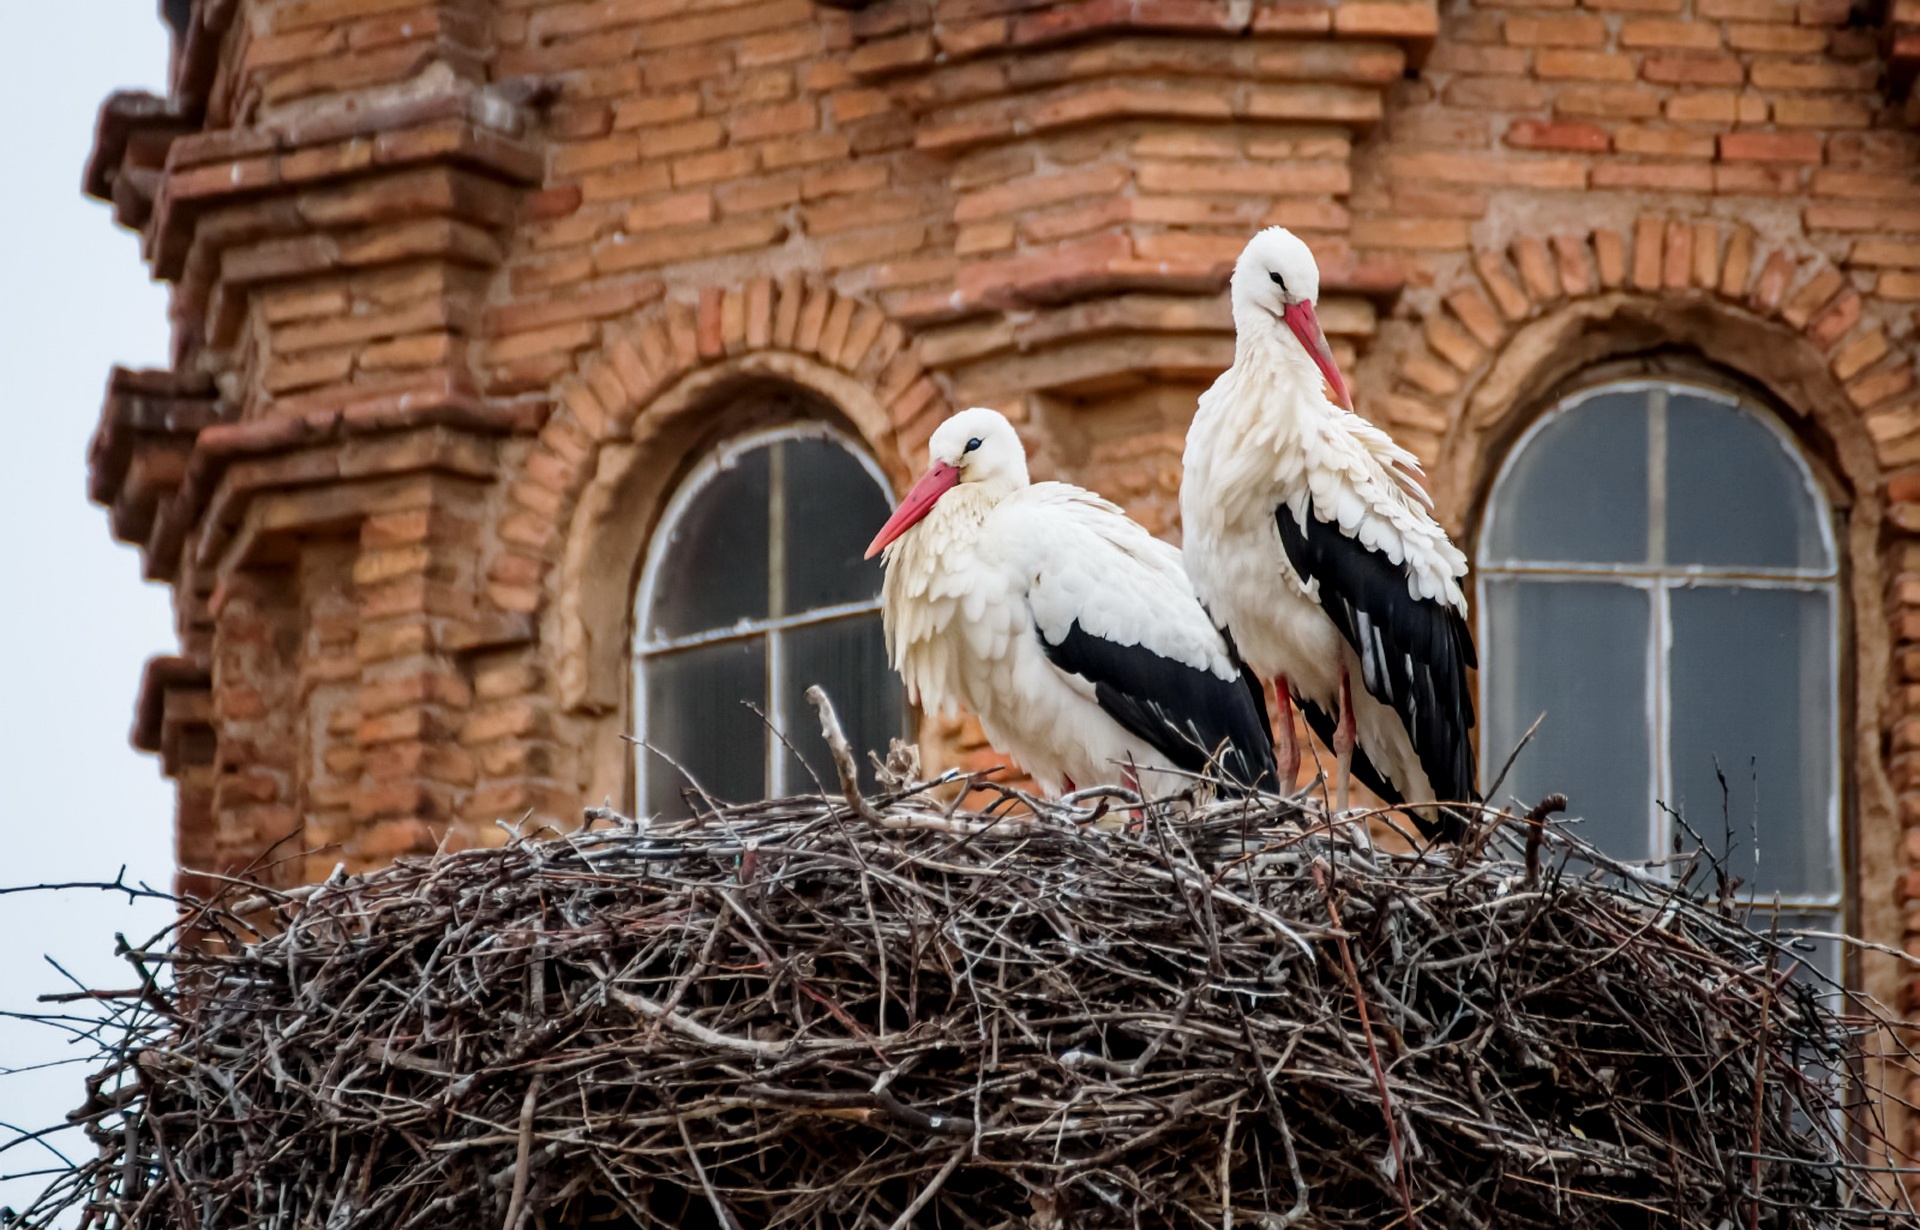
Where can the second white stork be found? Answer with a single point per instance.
(1069, 630)
(1311, 543)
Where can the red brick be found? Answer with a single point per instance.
(684, 138)
(1607, 101)
(1610, 257)
(1662, 142)
(1838, 217)
(1757, 179)
(1451, 57)
(1717, 107)
(1582, 65)
(709, 168)
(1863, 186)
(1772, 283)
(803, 149)
(1692, 70)
(1822, 75)
(1434, 233)
(1821, 113)
(1683, 35)
(1676, 261)
(1648, 231)
(1835, 321)
(1558, 134)
(1387, 18)
(1769, 147)
(1775, 38)
(1575, 264)
(1556, 30)
(1823, 12)
(1900, 253)
(1494, 93)
(761, 123)
(1746, 10)
(1654, 176)
(679, 209)
(648, 111)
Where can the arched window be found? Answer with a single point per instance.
(1658, 577)
(754, 590)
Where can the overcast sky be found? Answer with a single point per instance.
(76, 621)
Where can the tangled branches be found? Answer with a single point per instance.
(809, 1013)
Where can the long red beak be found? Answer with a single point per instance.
(1300, 317)
(939, 479)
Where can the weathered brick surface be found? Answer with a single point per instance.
(453, 276)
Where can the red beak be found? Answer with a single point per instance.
(939, 479)
(1305, 324)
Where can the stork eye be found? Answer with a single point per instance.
(1278, 281)
(971, 445)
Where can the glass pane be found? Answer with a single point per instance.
(1578, 490)
(1735, 495)
(1576, 651)
(834, 508)
(715, 572)
(697, 714)
(1753, 692)
(847, 657)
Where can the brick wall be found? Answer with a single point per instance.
(460, 286)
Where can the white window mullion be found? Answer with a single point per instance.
(776, 762)
(776, 691)
(1660, 704)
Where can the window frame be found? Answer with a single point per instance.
(1659, 580)
(775, 767)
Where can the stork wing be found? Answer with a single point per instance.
(1112, 605)
(1197, 720)
(1414, 652)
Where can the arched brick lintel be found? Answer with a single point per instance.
(1525, 318)
(632, 391)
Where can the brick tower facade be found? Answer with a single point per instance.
(461, 288)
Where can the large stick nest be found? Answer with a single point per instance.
(817, 1012)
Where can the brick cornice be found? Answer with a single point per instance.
(1110, 157)
(173, 714)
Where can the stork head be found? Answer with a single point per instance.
(1275, 286)
(977, 447)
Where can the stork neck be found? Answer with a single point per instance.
(1267, 357)
(1261, 336)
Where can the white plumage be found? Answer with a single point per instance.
(1069, 630)
(1311, 543)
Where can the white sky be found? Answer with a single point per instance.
(76, 621)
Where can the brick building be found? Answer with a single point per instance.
(497, 320)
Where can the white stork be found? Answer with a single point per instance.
(1071, 631)
(1312, 545)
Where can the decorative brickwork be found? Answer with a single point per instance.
(462, 287)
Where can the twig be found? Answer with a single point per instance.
(927, 1193)
(1373, 1051)
(516, 1207)
(843, 762)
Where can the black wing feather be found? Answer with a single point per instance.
(1194, 718)
(1414, 652)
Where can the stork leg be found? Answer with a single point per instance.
(1344, 735)
(1286, 745)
